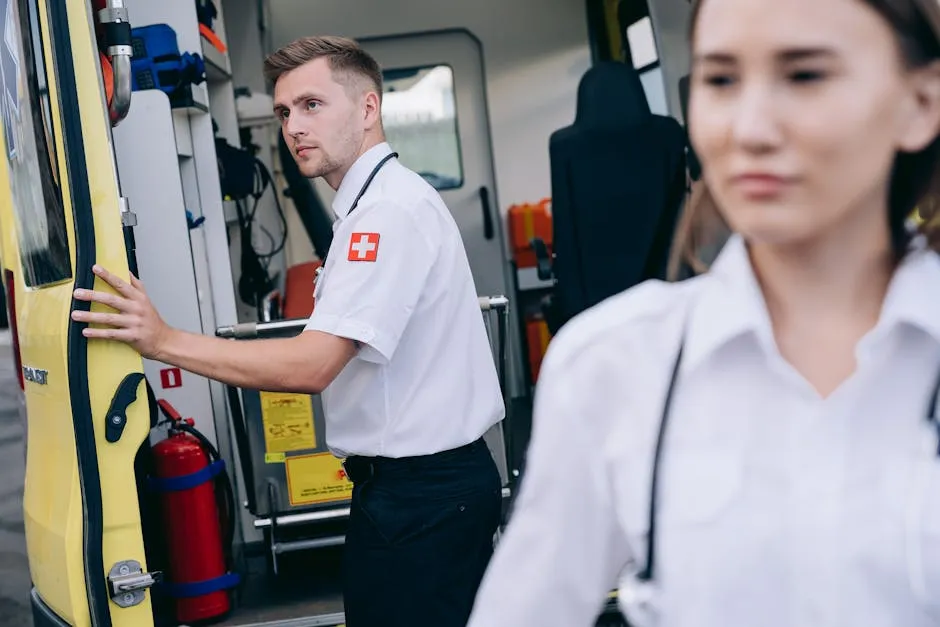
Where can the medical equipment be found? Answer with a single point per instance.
(158, 64)
(197, 504)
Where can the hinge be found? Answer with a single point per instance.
(128, 217)
(128, 583)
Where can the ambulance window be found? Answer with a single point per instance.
(420, 119)
(29, 134)
(642, 43)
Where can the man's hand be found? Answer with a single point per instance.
(136, 322)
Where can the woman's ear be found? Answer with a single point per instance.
(922, 123)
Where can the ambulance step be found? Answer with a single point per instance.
(326, 620)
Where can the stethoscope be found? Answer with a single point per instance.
(355, 203)
(638, 596)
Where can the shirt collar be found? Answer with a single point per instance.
(732, 304)
(913, 296)
(356, 177)
(729, 305)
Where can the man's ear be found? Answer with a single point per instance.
(372, 109)
(922, 117)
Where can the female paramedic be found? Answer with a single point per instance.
(758, 446)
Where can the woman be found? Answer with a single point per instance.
(798, 477)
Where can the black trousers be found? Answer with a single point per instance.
(420, 537)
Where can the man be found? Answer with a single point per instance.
(396, 345)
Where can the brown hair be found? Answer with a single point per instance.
(346, 58)
(915, 179)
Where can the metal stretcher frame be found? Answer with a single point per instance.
(269, 517)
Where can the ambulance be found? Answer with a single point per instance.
(139, 135)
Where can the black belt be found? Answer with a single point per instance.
(361, 468)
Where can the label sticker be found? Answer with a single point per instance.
(317, 478)
(171, 378)
(288, 422)
(274, 458)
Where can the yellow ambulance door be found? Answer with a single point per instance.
(87, 410)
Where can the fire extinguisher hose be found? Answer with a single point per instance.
(225, 495)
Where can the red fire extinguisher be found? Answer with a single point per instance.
(190, 477)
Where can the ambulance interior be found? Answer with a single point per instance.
(566, 184)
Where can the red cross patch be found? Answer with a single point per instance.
(364, 247)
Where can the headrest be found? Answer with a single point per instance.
(611, 96)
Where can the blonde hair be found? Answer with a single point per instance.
(700, 227)
(346, 58)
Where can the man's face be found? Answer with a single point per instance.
(324, 121)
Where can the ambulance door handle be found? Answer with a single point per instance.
(116, 418)
(488, 230)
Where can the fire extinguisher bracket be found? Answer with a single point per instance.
(185, 482)
(200, 588)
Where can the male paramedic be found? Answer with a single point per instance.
(396, 345)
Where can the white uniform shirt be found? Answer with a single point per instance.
(777, 508)
(397, 280)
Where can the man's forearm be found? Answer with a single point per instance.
(286, 365)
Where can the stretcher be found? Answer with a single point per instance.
(296, 491)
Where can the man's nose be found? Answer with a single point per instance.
(293, 127)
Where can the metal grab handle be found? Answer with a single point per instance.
(255, 330)
(488, 229)
(493, 302)
(120, 50)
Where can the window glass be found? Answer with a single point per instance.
(420, 119)
(642, 43)
(29, 132)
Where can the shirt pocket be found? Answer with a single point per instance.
(926, 517)
(699, 496)
(911, 483)
(696, 487)
(699, 487)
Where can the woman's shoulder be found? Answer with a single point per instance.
(611, 365)
(646, 317)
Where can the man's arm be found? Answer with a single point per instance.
(306, 363)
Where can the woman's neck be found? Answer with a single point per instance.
(823, 296)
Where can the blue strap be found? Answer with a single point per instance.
(199, 588)
(185, 482)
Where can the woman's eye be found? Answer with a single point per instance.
(806, 76)
(719, 80)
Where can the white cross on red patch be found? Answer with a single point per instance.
(364, 247)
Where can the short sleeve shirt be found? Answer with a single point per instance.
(397, 281)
